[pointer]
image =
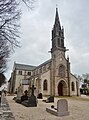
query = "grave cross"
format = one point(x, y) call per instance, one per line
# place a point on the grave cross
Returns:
point(33, 88)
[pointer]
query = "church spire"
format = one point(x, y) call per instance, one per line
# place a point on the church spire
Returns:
point(57, 27)
point(57, 22)
point(57, 34)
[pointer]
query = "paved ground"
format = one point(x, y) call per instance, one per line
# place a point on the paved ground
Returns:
point(5, 112)
point(78, 108)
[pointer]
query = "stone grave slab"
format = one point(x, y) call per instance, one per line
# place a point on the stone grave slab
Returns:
point(61, 110)
point(32, 101)
point(25, 96)
point(49, 99)
point(40, 96)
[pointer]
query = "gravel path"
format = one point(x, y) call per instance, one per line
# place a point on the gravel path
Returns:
point(78, 108)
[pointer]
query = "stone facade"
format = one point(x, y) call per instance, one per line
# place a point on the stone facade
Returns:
point(53, 77)
point(20, 72)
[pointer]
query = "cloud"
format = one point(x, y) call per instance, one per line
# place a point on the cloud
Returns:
point(36, 29)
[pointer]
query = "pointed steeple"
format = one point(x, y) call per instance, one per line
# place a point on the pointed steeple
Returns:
point(57, 34)
point(57, 22)
point(57, 31)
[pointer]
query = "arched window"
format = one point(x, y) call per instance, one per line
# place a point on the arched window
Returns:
point(62, 43)
point(58, 42)
point(45, 85)
point(28, 73)
point(20, 72)
point(61, 71)
point(72, 86)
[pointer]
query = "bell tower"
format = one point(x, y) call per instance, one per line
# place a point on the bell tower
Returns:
point(57, 36)
point(58, 55)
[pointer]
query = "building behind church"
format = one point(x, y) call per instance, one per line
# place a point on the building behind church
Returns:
point(54, 76)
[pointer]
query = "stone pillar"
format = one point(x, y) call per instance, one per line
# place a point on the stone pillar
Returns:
point(77, 87)
point(52, 76)
point(68, 75)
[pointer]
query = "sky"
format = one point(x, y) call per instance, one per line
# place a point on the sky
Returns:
point(36, 27)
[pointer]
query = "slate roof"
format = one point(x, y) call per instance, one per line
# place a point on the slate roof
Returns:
point(18, 66)
point(23, 67)
point(48, 61)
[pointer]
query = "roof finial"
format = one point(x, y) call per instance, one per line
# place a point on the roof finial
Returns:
point(56, 5)
point(56, 17)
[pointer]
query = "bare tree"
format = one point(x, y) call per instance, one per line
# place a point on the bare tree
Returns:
point(4, 55)
point(2, 79)
point(29, 3)
point(9, 16)
point(9, 20)
point(9, 28)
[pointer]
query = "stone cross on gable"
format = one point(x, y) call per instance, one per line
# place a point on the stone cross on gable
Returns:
point(33, 88)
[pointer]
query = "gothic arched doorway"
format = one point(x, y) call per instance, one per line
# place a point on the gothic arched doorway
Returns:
point(62, 88)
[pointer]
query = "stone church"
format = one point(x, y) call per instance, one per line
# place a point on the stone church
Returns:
point(54, 76)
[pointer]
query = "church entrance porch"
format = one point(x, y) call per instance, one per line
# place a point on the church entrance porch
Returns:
point(62, 88)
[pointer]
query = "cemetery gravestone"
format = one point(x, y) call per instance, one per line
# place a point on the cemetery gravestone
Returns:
point(32, 101)
point(62, 107)
point(19, 94)
point(25, 96)
point(40, 96)
point(49, 99)
point(61, 110)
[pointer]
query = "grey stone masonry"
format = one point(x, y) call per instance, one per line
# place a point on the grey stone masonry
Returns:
point(5, 112)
